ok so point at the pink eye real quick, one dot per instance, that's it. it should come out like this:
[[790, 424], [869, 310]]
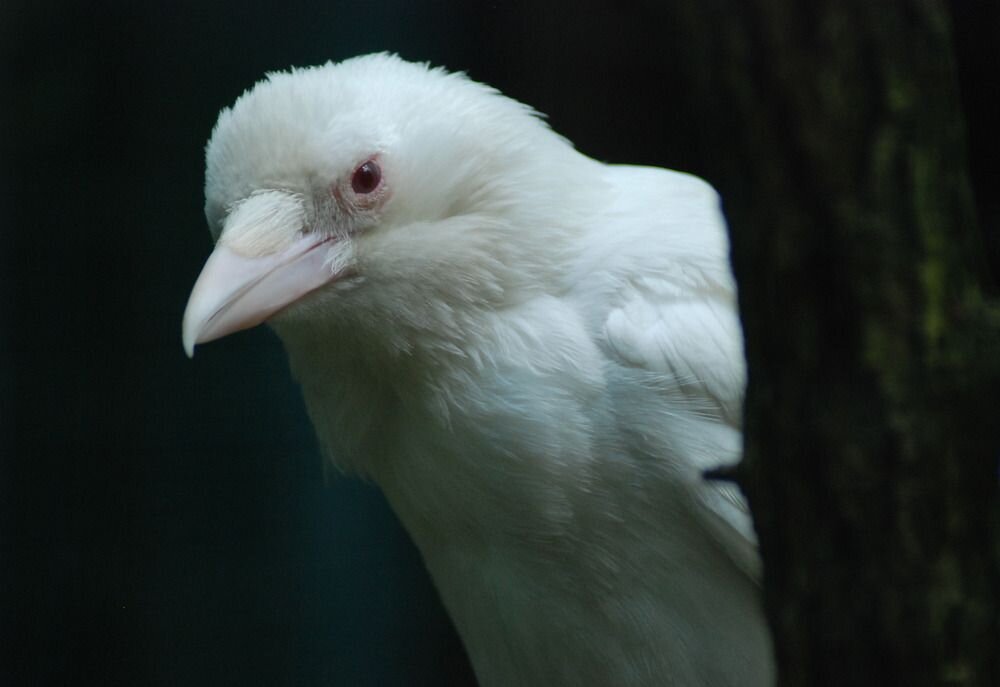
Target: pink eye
[[366, 177]]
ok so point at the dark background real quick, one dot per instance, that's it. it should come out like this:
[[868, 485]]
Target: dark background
[[170, 522]]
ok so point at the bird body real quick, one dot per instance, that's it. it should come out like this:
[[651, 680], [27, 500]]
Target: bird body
[[533, 354]]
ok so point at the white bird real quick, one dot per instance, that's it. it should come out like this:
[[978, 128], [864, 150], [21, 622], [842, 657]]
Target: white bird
[[535, 355]]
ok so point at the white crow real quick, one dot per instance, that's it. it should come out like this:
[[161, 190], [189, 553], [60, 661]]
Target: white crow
[[535, 355]]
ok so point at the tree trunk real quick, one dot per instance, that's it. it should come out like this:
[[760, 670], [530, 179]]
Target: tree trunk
[[872, 428]]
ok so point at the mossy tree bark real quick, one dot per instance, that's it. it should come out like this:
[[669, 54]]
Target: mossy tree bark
[[872, 422]]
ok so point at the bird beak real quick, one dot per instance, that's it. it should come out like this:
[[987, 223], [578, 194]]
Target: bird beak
[[237, 290]]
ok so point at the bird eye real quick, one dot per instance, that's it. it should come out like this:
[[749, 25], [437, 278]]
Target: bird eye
[[366, 178]]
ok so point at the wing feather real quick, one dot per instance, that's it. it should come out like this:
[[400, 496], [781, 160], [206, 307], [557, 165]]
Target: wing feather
[[676, 319]]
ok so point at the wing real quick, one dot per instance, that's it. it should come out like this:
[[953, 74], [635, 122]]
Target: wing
[[675, 323]]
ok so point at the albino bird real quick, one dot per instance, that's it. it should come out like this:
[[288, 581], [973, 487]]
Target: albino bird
[[535, 355]]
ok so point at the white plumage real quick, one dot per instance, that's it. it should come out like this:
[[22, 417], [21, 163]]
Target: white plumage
[[535, 355]]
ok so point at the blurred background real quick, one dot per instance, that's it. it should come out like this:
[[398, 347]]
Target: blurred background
[[170, 522]]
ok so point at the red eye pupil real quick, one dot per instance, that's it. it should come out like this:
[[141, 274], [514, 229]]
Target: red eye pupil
[[366, 178]]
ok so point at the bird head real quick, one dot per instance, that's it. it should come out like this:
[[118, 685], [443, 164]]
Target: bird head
[[376, 192]]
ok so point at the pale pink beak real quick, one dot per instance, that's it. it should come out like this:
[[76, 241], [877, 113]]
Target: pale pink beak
[[236, 292]]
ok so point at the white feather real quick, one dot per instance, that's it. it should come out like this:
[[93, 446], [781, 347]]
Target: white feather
[[536, 357]]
